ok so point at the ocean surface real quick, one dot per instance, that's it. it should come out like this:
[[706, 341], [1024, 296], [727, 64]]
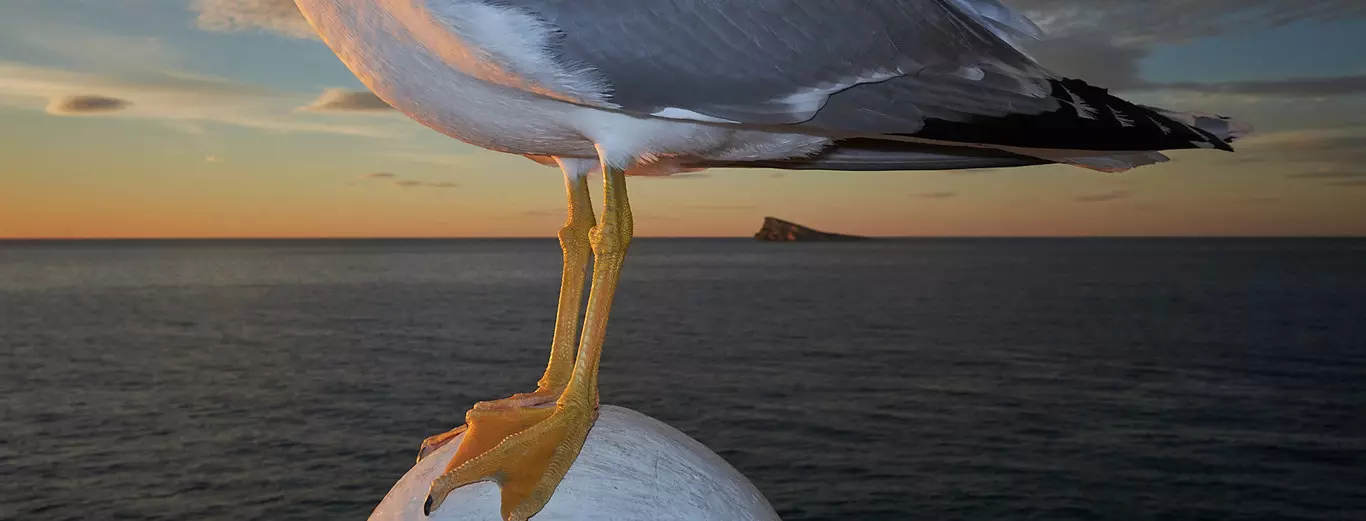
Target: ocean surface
[[890, 380]]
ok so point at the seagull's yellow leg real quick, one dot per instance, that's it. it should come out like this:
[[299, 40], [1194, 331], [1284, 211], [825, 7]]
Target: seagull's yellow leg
[[541, 443], [575, 245]]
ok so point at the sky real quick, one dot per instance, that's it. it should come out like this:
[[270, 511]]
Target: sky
[[228, 118]]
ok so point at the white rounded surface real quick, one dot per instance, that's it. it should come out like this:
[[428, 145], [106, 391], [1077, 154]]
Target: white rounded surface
[[632, 468]]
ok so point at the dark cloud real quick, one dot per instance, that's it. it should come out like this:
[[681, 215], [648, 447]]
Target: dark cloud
[[1353, 183], [1145, 22], [937, 195], [340, 100], [86, 104], [280, 16], [1098, 60], [1103, 41], [1295, 87], [1103, 197], [378, 175]]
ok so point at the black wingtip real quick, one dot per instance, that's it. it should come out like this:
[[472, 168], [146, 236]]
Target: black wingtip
[[427, 506]]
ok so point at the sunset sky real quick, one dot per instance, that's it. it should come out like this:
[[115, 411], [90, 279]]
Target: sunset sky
[[227, 118]]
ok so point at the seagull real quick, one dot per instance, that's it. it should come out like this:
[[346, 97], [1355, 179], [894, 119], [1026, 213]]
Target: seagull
[[656, 87]]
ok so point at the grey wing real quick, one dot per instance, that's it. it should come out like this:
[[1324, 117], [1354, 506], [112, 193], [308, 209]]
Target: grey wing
[[865, 67]]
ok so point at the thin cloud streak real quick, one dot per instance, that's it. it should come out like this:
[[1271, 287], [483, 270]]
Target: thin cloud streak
[[408, 183], [174, 97], [1103, 197], [1291, 87], [342, 100], [395, 180], [74, 105]]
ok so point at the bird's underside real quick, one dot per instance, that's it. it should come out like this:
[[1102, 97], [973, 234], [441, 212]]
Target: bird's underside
[[661, 86]]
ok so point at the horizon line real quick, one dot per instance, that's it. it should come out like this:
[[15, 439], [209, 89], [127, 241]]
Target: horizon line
[[674, 237]]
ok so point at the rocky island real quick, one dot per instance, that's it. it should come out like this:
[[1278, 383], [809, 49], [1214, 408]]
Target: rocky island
[[778, 230]]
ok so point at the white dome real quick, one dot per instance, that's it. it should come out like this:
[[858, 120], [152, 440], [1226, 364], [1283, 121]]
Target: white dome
[[632, 468]]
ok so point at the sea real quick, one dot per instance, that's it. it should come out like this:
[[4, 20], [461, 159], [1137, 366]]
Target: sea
[[944, 379]]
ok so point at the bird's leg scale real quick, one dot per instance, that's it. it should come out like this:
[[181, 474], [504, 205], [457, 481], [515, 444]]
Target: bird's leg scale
[[528, 450]]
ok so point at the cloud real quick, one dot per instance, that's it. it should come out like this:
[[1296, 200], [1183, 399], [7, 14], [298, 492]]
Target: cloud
[[278, 16], [1317, 140], [1318, 153], [213, 159], [395, 180], [406, 183], [1142, 21], [85, 104], [937, 195], [1295, 87], [1103, 41], [1103, 197], [342, 100], [1354, 183], [1095, 58], [183, 100]]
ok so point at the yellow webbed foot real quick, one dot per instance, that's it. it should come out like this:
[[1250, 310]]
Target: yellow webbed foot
[[534, 399], [537, 398], [527, 451]]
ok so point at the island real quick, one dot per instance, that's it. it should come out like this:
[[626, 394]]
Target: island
[[778, 230]]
